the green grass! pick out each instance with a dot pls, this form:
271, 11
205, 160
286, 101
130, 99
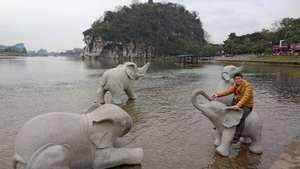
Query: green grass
278, 59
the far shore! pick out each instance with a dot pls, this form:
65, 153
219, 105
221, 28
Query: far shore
9, 57
286, 59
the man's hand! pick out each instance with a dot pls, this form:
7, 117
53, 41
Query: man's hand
214, 96
235, 107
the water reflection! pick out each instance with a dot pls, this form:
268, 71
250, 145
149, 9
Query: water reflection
106, 63
282, 81
100, 64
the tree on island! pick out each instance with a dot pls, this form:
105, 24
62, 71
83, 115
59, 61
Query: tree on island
157, 29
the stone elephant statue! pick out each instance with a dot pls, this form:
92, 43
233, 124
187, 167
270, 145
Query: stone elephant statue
225, 120
226, 81
120, 79
69, 140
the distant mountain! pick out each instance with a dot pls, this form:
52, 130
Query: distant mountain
18, 48
2, 47
42, 52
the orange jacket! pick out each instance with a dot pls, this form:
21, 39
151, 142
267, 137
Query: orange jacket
243, 94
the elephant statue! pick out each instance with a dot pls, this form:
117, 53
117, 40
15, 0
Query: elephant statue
68, 140
225, 119
120, 79
227, 75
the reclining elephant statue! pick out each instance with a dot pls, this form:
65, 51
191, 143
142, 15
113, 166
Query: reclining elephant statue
225, 120
120, 79
69, 140
227, 75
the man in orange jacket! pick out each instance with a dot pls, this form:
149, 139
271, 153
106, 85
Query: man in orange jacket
243, 99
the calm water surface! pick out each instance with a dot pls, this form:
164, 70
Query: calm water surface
172, 132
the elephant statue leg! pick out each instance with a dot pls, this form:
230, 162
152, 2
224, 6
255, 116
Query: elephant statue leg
116, 96
218, 138
100, 95
54, 156
245, 140
227, 136
256, 144
111, 157
130, 94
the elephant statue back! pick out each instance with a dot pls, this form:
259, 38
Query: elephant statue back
71, 140
46, 130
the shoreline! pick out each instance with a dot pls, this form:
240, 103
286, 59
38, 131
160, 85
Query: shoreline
8, 57
287, 60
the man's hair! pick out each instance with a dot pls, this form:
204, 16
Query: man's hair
238, 74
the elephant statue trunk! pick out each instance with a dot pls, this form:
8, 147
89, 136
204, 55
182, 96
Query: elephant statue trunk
225, 119
202, 107
142, 70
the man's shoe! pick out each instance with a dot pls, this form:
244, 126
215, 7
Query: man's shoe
235, 141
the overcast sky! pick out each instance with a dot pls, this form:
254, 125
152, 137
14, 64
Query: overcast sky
57, 25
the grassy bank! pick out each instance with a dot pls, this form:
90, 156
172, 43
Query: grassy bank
277, 59
295, 60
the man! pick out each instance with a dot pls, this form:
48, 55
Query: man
243, 99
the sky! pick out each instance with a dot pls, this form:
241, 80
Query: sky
57, 25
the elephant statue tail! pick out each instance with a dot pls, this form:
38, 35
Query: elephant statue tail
196, 93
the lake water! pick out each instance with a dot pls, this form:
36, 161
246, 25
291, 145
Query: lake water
171, 131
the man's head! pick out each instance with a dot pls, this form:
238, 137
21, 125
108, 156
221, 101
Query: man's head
238, 78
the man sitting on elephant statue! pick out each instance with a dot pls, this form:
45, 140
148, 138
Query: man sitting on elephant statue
243, 99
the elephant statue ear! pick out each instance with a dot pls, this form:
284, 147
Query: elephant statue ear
106, 123
131, 70
101, 131
226, 76
232, 117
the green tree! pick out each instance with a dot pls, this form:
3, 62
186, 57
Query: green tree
168, 29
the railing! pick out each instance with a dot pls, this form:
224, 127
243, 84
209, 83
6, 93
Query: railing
192, 59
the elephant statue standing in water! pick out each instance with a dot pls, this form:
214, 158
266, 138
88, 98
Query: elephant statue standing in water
227, 75
120, 79
225, 119
69, 140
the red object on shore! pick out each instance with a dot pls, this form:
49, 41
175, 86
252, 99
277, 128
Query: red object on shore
276, 50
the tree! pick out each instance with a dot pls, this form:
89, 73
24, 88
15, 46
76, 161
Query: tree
261, 42
168, 29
